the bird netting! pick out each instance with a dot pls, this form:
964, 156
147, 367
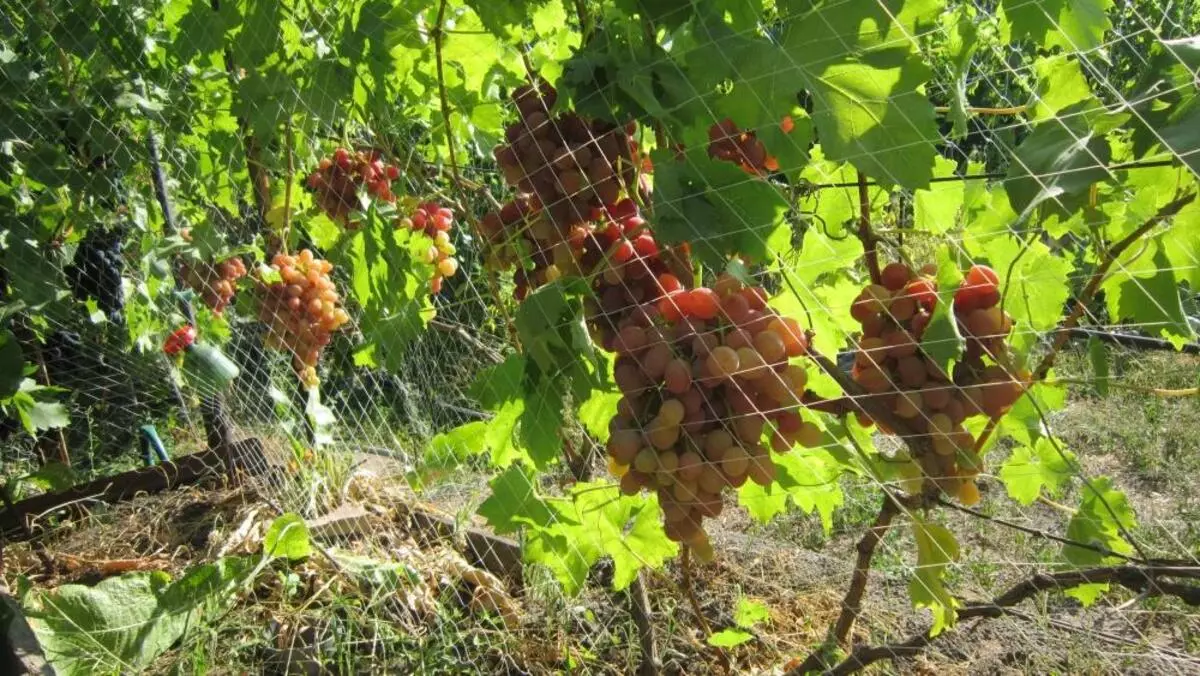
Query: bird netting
527, 337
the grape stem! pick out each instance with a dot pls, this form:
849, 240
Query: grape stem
852, 602
585, 23
864, 230
685, 565
1063, 332
259, 176
858, 398
1143, 579
439, 36
640, 612
1011, 110
462, 333
1156, 391
836, 407
1046, 535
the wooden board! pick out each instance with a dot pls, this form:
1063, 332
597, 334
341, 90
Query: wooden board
19, 523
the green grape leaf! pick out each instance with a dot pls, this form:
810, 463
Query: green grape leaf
1023, 422
553, 336
1098, 356
540, 424
567, 559
287, 537
807, 478
595, 413
1074, 25
761, 95
986, 211
37, 280
1103, 511
260, 35
503, 18
716, 207
858, 62
1031, 281
620, 75
935, 209
500, 383
1144, 291
645, 544
514, 502
1060, 159
960, 25
1032, 469
729, 638
817, 289
942, 342
821, 256
936, 548
389, 285
1060, 84
835, 211
39, 416
749, 613
860, 120
1168, 108
461, 442
36, 413
329, 86
124, 623
499, 435
1182, 247
596, 521
203, 29
1087, 594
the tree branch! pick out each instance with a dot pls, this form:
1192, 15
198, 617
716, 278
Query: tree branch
837, 407
852, 602
1063, 332
639, 610
1045, 535
1012, 110
864, 230
1143, 579
685, 565
439, 36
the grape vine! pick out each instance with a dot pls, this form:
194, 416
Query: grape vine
665, 316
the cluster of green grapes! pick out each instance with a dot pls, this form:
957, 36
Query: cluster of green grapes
301, 310
568, 164
434, 222
336, 182
729, 143
215, 284
893, 369
708, 388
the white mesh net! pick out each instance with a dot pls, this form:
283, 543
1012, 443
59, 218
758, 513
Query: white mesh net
506, 317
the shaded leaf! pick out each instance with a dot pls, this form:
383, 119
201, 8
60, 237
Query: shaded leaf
1074, 25
1103, 511
514, 502
936, 548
